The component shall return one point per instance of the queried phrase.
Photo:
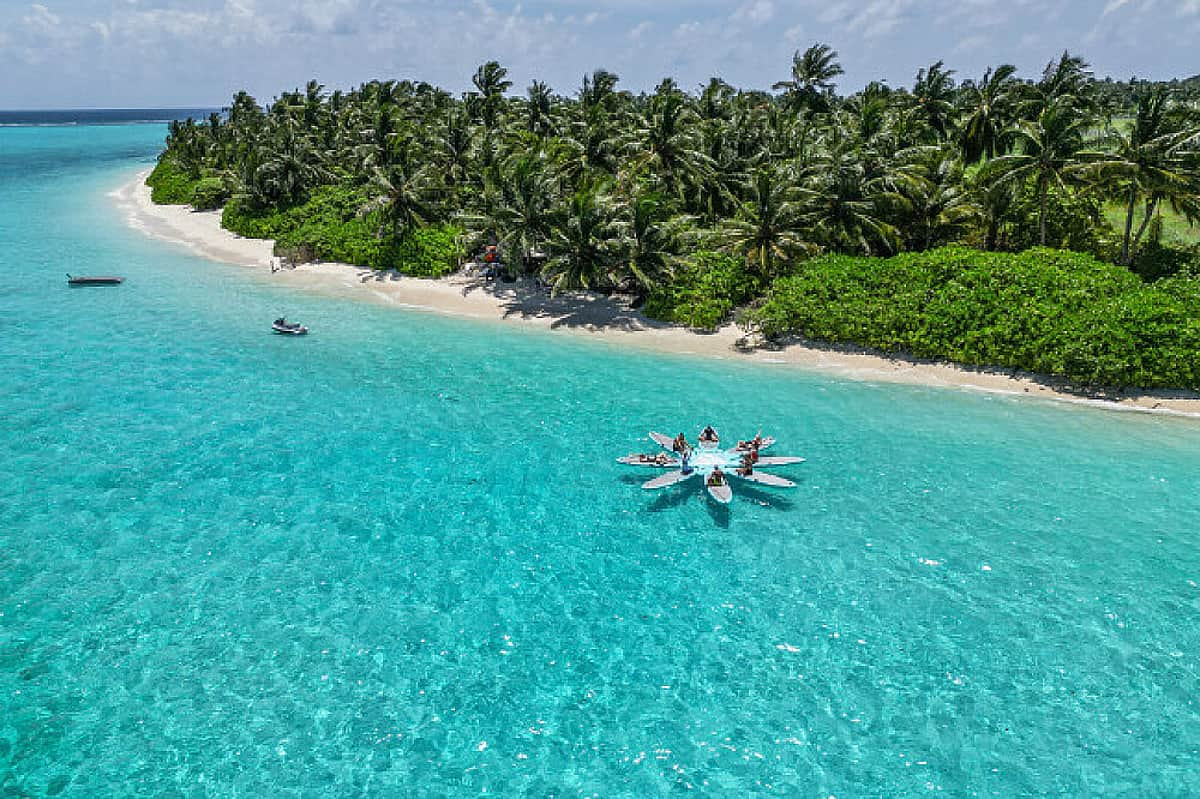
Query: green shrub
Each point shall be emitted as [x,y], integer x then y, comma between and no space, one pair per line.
[429,252]
[1042,310]
[170,184]
[209,194]
[328,227]
[704,292]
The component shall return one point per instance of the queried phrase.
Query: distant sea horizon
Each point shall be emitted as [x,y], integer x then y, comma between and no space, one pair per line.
[100,116]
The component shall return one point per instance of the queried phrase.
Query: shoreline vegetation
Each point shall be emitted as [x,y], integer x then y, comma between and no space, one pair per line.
[599,317]
[1043,225]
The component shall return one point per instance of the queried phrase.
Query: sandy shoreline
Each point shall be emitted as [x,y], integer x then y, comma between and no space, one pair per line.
[201,232]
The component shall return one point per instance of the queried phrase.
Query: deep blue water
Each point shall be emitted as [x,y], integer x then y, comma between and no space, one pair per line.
[396,558]
[99,116]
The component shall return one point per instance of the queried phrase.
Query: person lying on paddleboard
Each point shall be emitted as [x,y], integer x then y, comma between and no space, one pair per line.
[753,443]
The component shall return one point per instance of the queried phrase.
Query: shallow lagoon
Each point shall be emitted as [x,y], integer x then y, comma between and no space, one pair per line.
[397,556]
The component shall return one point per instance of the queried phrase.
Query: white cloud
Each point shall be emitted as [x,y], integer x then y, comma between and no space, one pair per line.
[71,52]
[756,12]
[41,18]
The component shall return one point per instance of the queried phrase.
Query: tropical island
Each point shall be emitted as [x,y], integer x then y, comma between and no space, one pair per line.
[1047,225]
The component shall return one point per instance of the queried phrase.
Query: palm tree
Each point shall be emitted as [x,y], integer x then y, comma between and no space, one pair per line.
[1049,152]
[843,201]
[667,146]
[539,110]
[288,164]
[767,228]
[933,98]
[402,192]
[813,72]
[988,109]
[491,81]
[1066,82]
[579,249]
[1150,163]
[938,208]
[517,207]
[649,240]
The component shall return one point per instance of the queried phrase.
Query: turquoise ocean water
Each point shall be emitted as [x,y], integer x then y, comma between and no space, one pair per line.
[396,558]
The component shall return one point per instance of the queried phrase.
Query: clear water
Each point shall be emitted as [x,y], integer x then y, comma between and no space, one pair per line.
[397,558]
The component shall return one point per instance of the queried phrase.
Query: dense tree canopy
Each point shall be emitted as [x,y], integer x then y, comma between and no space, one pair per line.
[560,182]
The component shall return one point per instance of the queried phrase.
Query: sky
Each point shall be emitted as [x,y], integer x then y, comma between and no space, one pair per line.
[177,53]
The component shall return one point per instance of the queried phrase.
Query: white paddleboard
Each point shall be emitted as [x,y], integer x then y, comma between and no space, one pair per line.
[666,442]
[766,442]
[722,493]
[632,460]
[763,478]
[777,460]
[668,479]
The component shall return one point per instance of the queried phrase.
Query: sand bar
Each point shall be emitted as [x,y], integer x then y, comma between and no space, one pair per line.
[597,316]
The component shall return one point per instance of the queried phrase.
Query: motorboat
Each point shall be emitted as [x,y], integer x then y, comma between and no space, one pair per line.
[287,328]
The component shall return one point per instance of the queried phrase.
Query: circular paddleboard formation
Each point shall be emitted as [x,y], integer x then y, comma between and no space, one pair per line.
[712,463]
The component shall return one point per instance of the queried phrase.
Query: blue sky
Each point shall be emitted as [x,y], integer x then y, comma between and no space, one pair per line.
[139,53]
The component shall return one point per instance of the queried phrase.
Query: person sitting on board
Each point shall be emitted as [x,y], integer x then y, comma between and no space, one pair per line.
[753,443]
[747,467]
[680,444]
[717,478]
[709,434]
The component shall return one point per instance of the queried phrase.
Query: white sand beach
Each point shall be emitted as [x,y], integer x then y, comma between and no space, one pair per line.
[593,315]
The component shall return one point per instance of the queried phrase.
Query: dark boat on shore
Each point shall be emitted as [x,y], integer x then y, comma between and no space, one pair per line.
[96,280]
[284,327]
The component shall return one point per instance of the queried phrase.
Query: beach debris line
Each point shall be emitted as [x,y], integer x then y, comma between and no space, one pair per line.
[709,461]
[286,328]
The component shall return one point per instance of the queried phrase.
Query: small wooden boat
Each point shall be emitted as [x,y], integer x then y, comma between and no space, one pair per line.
[721,492]
[762,478]
[287,328]
[634,460]
[94,280]
[668,479]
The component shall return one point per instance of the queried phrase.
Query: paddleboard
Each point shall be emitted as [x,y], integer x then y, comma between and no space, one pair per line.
[766,442]
[763,478]
[666,442]
[777,460]
[668,479]
[632,460]
[722,493]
